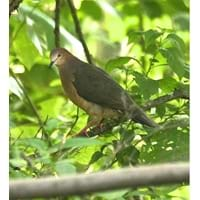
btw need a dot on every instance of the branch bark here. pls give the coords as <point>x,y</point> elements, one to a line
<point>177,94</point>
<point>78,30</point>
<point>13,5</point>
<point>176,173</point>
<point>57,24</point>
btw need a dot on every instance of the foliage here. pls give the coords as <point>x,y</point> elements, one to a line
<point>143,44</point>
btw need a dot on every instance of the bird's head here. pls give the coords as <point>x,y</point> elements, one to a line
<point>59,56</point>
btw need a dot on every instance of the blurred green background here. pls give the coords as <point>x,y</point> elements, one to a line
<point>143,45</point>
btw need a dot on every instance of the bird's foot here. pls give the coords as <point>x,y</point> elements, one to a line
<point>83,133</point>
<point>100,126</point>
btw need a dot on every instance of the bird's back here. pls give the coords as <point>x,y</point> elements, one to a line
<point>96,86</point>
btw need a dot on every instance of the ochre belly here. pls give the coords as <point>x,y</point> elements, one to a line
<point>87,106</point>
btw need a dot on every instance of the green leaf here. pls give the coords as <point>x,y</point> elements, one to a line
<point>182,21</point>
<point>17,162</point>
<point>91,8</point>
<point>152,8</point>
<point>167,84</point>
<point>34,35</point>
<point>174,59</point>
<point>174,41</point>
<point>117,62</point>
<point>135,36</point>
<point>113,195</point>
<point>37,143</point>
<point>181,193</point>
<point>147,86</point>
<point>25,49</point>
<point>161,110</point>
<point>51,125</point>
<point>96,156</point>
<point>45,27</point>
<point>64,167</point>
<point>113,22</point>
<point>178,5</point>
<point>128,155</point>
<point>167,146</point>
<point>15,89</point>
<point>150,36</point>
<point>81,142</point>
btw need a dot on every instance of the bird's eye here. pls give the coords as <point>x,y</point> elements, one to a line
<point>59,55</point>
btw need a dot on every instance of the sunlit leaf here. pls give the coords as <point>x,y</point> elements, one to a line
<point>170,145</point>
<point>152,8</point>
<point>91,8</point>
<point>14,88</point>
<point>147,86</point>
<point>174,60</point>
<point>81,142</point>
<point>96,156</point>
<point>174,41</point>
<point>25,50</point>
<point>167,84</point>
<point>18,162</point>
<point>117,62</point>
<point>51,124</point>
<point>64,167</point>
<point>181,21</point>
<point>113,194</point>
<point>134,36</point>
<point>34,142</point>
<point>150,36</point>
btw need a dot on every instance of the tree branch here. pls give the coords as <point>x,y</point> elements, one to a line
<point>158,101</point>
<point>163,174</point>
<point>57,24</point>
<point>78,30</point>
<point>13,5</point>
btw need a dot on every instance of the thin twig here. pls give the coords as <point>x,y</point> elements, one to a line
<point>57,24</point>
<point>29,163</point>
<point>40,122</point>
<point>13,5</point>
<point>41,127</point>
<point>18,137</point>
<point>78,30</point>
<point>75,121</point>
<point>163,99</point>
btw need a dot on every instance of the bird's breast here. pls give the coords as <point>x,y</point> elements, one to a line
<point>89,107</point>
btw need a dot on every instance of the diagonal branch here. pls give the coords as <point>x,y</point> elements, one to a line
<point>78,30</point>
<point>177,94</point>
<point>57,24</point>
<point>40,122</point>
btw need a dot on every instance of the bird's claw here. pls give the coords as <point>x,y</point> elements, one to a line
<point>83,133</point>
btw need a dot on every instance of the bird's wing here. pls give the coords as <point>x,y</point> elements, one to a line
<point>95,85</point>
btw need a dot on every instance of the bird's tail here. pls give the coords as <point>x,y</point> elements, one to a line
<point>138,115</point>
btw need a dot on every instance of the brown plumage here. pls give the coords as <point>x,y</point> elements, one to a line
<point>93,90</point>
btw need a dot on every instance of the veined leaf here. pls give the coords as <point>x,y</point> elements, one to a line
<point>64,167</point>
<point>117,62</point>
<point>81,142</point>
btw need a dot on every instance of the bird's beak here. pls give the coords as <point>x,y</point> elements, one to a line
<point>51,63</point>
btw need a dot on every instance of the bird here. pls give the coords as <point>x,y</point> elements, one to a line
<point>95,91</point>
